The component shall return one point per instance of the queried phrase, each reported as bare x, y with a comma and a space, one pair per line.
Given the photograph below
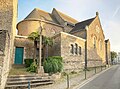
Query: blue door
19, 55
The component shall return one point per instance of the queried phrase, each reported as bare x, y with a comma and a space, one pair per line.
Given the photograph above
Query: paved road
107, 80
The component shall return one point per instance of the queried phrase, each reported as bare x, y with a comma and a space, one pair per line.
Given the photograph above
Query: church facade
73, 40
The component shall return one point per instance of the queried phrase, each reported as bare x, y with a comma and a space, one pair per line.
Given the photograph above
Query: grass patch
19, 71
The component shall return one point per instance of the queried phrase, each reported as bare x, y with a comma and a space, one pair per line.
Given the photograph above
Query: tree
47, 41
34, 36
113, 56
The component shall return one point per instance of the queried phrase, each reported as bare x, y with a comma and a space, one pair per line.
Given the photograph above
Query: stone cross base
40, 71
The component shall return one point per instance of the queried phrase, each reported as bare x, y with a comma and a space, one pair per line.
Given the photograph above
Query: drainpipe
86, 54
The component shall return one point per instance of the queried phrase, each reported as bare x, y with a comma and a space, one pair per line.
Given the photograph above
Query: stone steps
18, 65
21, 82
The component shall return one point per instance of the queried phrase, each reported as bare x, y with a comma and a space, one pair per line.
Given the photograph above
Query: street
110, 79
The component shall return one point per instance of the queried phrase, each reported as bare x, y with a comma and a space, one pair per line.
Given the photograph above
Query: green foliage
34, 36
64, 73
73, 72
113, 55
28, 62
53, 64
47, 41
33, 67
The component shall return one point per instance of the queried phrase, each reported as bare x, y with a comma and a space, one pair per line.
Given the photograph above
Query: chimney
97, 13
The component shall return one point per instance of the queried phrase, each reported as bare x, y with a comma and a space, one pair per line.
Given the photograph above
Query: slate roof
81, 25
40, 14
106, 40
66, 17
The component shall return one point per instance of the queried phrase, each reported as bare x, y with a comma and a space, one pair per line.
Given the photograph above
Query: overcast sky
109, 13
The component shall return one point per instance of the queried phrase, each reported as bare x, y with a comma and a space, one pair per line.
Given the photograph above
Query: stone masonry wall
95, 44
81, 34
27, 44
27, 27
108, 54
8, 15
72, 62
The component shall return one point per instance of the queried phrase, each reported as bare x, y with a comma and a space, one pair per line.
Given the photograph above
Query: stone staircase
22, 81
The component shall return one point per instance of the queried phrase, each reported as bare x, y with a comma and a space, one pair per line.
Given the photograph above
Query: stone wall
81, 34
8, 15
2, 41
28, 45
27, 27
95, 42
108, 54
55, 50
59, 19
72, 62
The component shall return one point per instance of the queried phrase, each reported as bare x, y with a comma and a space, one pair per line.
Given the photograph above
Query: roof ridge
64, 14
86, 20
41, 10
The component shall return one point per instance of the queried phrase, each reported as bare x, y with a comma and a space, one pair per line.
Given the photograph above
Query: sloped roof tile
66, 17
40, 14
81, 25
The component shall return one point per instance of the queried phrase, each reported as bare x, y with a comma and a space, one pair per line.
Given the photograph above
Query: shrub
64, 73
53, 64
73, 72
28, 62
33, 67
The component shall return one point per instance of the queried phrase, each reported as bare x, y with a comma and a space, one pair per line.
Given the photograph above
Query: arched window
100, 44
76, 48
72, 49
80, 52
94, 41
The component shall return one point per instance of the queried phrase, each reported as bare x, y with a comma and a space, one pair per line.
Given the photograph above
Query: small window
94, 42
76, 48
80, 50
100, 45
72, 49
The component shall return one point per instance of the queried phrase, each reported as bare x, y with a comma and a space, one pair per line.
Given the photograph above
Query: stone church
73, 40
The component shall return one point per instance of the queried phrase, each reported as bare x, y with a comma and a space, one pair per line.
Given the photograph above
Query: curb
90, 79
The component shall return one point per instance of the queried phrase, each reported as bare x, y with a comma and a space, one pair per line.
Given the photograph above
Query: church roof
81, 25
43, 15
66, 17
40, 14
106, 40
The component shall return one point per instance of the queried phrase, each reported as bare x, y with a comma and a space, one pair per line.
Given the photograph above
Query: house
108, 53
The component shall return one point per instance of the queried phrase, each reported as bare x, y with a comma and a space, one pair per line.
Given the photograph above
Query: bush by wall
28, 62
53, 64
33, 67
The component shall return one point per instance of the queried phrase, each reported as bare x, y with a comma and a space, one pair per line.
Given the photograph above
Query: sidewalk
75, 79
